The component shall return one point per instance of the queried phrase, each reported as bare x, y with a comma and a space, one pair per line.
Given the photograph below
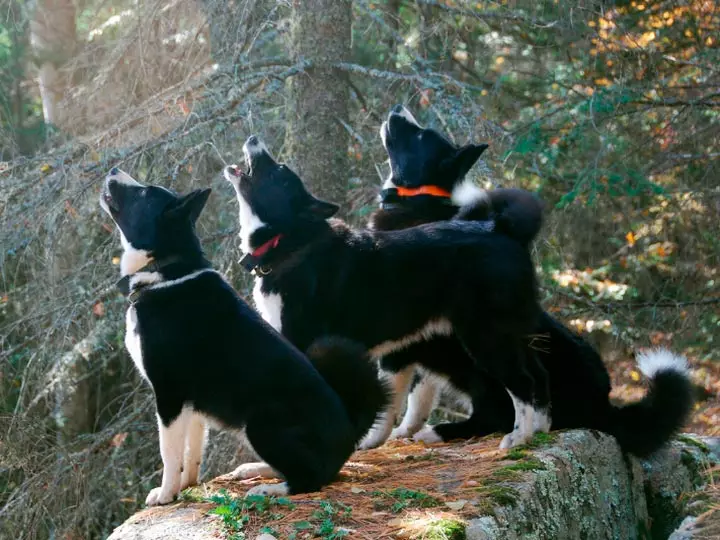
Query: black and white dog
388, 290
210, 357
428, 183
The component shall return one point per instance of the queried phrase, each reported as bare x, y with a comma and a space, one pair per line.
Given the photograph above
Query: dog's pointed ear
189, 206
315, 209
464, 159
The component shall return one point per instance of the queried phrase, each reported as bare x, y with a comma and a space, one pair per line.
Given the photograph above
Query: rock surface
576, 486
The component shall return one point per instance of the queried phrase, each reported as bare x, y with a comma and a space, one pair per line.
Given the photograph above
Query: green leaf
302, 525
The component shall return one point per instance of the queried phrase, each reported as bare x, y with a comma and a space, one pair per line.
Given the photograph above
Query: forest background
610, 111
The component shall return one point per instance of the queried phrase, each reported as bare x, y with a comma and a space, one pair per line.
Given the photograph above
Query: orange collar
435, 191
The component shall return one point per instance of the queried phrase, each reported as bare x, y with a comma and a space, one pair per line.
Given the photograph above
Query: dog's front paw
401, 432
376, 437
158, 496
513, 439
269, 490
541, 421
427, 435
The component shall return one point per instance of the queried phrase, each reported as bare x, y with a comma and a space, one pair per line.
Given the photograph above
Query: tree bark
53, 39
316, 140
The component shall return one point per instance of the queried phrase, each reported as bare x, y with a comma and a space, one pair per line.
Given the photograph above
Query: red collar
267, 246
435, 191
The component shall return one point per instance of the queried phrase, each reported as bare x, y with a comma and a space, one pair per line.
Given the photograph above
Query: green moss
531, 463
504, 474
516, 453
499, 496
445, 529
542, 439
694, 442
399, 499
192, 494
690, 461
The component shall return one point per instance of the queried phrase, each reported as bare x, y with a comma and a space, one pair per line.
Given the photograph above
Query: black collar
156, 265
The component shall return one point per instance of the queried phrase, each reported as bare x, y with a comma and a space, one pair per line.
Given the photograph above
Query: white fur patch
268, 305
421, 402
132, 259
427, 435
541, 420
437, 327
253, 470
523, 427
383, 134
121, 177
172, 450
194, 446
249, 221
252, 148
379, 433
171, 282
652, 362
407, 115
389, 184
132, 341
269, 490
467, 192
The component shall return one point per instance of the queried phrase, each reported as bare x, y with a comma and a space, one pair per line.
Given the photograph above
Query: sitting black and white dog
428, 183
388, 290
210, 357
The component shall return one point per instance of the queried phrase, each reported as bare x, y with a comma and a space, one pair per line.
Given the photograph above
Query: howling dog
209, 357
315, 275
428, 183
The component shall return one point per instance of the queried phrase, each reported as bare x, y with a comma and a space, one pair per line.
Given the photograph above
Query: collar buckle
252, 261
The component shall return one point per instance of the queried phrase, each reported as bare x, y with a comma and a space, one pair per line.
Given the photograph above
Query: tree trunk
53, 39
316, 140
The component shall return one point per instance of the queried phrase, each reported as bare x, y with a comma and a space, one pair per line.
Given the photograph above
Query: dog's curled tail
514, 212
347, 368
644, 426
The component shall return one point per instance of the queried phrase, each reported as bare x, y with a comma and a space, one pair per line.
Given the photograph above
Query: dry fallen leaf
456, 505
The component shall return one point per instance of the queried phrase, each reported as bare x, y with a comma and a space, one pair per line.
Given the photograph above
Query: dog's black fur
204, 350
579, 382
379, 288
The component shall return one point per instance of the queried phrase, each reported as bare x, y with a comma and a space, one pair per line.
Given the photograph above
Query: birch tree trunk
53, 39
316, 140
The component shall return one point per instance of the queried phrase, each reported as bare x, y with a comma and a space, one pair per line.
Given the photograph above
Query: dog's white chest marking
249, 223
132, 340
268, 305
437, 327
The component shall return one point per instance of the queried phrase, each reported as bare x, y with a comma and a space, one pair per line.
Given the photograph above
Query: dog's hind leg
294, 450
508, 359
173, 433
400, 384
421, 401
492, 412
194, 446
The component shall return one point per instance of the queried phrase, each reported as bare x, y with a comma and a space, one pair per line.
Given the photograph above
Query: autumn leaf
44, 168
118, 439
99, 309
630, 237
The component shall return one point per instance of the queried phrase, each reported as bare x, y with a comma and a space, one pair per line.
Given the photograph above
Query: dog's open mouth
234, 172
109, 201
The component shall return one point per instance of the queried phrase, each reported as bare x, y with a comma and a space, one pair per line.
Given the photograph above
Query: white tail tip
652, 362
